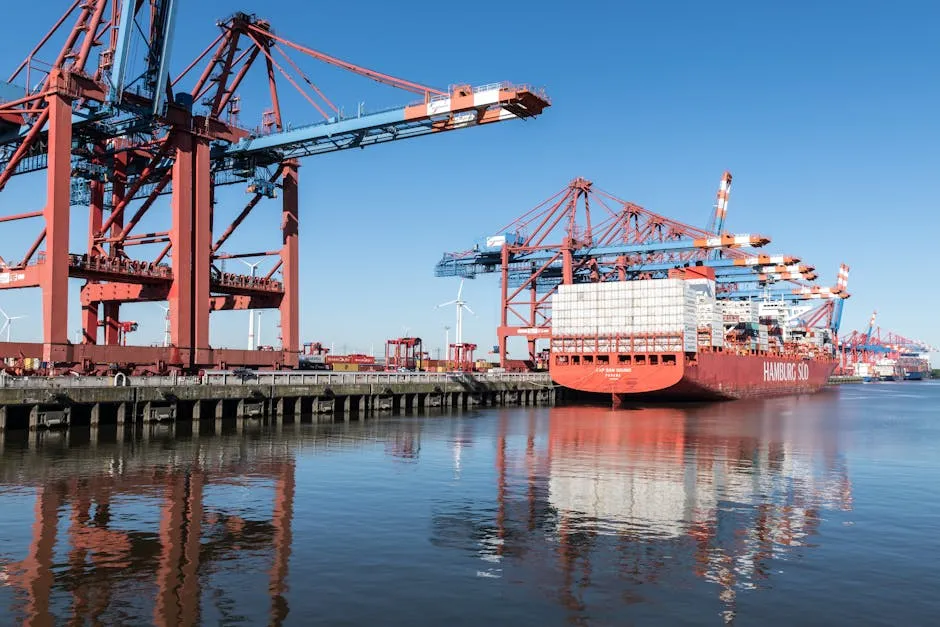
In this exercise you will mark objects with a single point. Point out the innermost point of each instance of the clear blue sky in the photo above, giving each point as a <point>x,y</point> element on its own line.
<point>826,114</point>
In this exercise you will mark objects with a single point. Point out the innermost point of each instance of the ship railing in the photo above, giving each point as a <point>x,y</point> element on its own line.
<point>662,342</point>
<point>356,378</point>
<point>255,378</point>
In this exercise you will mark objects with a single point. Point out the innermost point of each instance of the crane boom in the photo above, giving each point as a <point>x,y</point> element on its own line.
<point>463,108</point>
<point>717,223</point>
<point>871,327</point>
<point>468,266</point>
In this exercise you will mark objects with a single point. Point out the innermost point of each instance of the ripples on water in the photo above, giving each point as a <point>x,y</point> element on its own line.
<point>812,510</point>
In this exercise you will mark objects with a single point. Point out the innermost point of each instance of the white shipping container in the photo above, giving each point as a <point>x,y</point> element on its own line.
<point>663,306</point>
<point>718,334</point>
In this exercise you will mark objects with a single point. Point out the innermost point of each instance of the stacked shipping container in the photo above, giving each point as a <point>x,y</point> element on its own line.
<point>763,337</point>
<point>628,308</point>
<point>735,311</point>
<point>353,358</point>
<point>711,328</point>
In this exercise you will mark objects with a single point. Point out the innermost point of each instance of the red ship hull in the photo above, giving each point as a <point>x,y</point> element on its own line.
<point>709,376</point>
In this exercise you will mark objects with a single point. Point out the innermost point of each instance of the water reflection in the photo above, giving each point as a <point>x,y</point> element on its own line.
<point>718,492</point>
<point>592,511</point>
<point>119,529</point>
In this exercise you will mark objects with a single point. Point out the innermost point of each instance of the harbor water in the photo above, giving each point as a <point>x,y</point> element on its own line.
<point>813,510</point>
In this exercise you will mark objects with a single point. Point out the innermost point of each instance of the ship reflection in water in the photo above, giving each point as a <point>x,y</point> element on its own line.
<point>593,499</point>
<point>567,514</point>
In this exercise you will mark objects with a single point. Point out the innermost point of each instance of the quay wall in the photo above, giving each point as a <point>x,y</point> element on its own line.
<point>842,379</point>
<point>49,402</point>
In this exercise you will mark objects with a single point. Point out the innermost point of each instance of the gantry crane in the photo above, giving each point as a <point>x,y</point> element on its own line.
<point>116,131</point>
<point>583,234</point>
<point>827,315</point>
<point>874,343</point>
<point>403,353</point>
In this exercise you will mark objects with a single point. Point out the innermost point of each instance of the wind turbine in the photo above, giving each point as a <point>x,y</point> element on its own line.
<point>461,305</point>
<point>8,323</point>
<point>252,345</point>
<point>166,325</point>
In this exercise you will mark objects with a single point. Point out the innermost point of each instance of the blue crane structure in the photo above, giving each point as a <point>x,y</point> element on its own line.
<point>584,234</point>
<point>117,130</point>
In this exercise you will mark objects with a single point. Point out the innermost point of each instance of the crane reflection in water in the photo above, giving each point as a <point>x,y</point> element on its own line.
<point>134,532</point>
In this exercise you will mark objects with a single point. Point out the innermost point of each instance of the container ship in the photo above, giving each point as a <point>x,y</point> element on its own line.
<point>914,366</point>
<point>888,370</point>
<point>674,339</point>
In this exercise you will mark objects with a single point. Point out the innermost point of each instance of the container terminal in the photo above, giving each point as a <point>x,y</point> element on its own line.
<point>640,303</point>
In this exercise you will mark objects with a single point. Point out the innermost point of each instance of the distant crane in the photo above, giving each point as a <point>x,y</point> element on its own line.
<point>871,327</point>
<point>876,343</point>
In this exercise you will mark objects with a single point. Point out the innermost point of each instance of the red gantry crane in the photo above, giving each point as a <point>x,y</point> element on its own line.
<point>896,355</point>
<point>403,353</point>
<point>114,131</point>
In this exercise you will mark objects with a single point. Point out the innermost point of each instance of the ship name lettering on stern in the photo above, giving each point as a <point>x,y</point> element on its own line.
<point>615,370</point>
<point>785,371</point>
